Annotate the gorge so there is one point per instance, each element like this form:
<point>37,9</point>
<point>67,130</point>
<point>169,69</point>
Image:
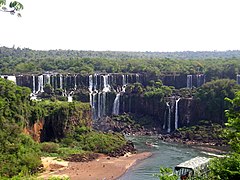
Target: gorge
<point>109,94</point>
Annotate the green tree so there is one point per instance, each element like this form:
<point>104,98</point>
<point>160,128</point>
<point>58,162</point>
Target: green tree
<point>166,174</point>
<point>233,124</point>
<point>14,6</point>
<point>229,167</point>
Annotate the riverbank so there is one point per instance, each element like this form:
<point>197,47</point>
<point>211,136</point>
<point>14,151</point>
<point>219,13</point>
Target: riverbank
<point>104,167</point>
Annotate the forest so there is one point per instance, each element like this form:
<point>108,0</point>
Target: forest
<point>215,65</point>
<point>145,104</point>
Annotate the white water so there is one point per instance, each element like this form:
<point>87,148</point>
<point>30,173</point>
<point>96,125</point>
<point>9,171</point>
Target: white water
<point>94,105</point>
<point>176,113</point>
<point>137,77</point>
<point>99,105</point>
<point>70,98</point>
<point>106,86</point>
<point>104,94</point>
<point>238,79</point>
<point>12,78</point>
<point>61,81</point>
<point>34,88</point>
<point>95,82</point>
<point>116,104</point>
<point>40,83</point>
<point>169,117</point>
<point>189,81</point>
<point>200,79</point>
<point>47,79</point>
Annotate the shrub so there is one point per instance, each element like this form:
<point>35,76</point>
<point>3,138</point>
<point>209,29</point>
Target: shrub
<point>49,147</point>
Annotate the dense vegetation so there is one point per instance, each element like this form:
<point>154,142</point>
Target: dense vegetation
<point>214,64</point>
<point>212,94</point>
<point>18,152</point>
<point>70,131</point>
<point>229,166</point>
<point>20,155</point>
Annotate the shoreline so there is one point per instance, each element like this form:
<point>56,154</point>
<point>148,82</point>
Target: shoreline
<point>103,168</point>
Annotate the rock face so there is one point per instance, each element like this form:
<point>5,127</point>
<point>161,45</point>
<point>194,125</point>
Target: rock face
<point>101,90</point>
<point>60,121</point>
<point>63,120</point>
<point>35,130</point>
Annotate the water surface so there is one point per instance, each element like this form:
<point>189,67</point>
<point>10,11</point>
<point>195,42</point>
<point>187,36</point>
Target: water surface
<point>163,154</point>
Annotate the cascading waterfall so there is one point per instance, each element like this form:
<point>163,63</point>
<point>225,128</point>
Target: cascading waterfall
<point>99,105</point>
<point>137,77</point>
<point>169,117</point>
<point>40,83</point>
<point>238,79</point>
<point>47,79</point>
<point>176,113</point>
<point>189,81</point>
<point>90,88</point>
<point>95,82</point>
<point>94,105</point>
<point>12,78</point>
<point>34,88</point>
<point>75,82</point>
<point>106,86</point>
<point>165,119</point>
<point>116,104</point>
<point>61,82</point>
<point>200,79</point>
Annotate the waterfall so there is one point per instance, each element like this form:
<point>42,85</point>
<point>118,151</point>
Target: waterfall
<point>47,79</point>
<point>91,98</point>
<point>106,86</point>
<point>70,98</point>
<point>238,78</point>
<point>99,105</point>
<point>75,82</point>
<point>104,94</point>
<point>123,80</point>
<point>169,117</point>
<point>189,81</point>
<point>61,81</point>
<point>94,106</point>
<point>176,113</point>
<point>165,119</point>
<point>95,82</point>
<point>124,83</point>
<point>200,79</point>
<point>137,77</point>
<point>90,82</point>
<point>34,88</point>
<point>12,78</point>
<point>116,104</point>
<point>40,83</point>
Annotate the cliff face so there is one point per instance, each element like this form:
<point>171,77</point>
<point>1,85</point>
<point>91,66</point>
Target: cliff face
<point>60,120</point>
<point>100,91</point>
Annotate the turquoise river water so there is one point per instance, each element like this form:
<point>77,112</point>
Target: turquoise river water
<point>163,154</point>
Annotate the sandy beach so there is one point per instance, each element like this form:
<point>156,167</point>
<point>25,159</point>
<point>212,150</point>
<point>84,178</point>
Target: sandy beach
<point>103,168</point>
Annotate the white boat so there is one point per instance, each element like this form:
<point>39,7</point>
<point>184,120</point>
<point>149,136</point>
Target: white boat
<point>197,166</point>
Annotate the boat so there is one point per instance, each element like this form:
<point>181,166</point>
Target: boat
<point>197,166</point>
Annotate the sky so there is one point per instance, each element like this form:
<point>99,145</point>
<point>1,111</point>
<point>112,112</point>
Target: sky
<point>124,25</point>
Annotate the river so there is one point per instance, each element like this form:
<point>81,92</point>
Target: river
<point>163,154</point>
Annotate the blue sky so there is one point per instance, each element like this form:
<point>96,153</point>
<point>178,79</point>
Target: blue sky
<point>124,25</point>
